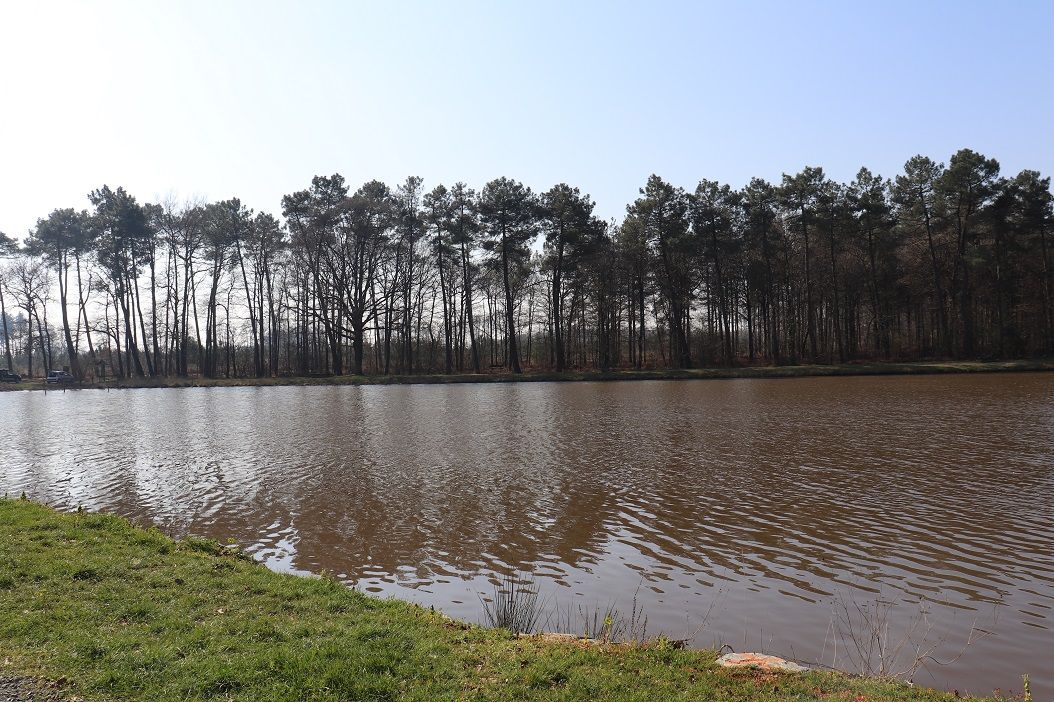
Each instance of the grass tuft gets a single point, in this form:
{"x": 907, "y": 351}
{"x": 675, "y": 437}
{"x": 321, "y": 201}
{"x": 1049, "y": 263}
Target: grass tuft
{"x": 514, "y": 604}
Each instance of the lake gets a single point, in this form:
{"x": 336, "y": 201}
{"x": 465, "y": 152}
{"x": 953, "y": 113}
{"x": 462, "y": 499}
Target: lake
{"x": 768, "y": 515}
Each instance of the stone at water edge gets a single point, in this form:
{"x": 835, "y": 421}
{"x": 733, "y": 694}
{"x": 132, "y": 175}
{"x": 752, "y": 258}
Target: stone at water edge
{"x": 759, "y": 660}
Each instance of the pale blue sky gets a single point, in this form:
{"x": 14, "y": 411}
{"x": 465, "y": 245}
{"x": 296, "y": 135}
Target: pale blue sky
{"x": 251, "y": 99}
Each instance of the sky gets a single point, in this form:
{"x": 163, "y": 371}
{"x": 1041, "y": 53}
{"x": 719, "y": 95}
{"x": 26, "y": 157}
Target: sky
{"x": 250, "y": 99}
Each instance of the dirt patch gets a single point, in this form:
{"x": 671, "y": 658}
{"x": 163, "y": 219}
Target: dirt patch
{"x": 29, "y": 690}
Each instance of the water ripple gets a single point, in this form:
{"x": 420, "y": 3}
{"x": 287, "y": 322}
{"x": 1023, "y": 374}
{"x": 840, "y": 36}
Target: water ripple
{"x": 768, "y": 498}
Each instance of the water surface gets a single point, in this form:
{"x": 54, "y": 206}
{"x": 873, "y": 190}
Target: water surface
{"x": 749, "y": 508}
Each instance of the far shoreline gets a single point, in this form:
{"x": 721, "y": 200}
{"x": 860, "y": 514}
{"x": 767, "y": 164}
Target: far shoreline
{"x": 711, "y": 373}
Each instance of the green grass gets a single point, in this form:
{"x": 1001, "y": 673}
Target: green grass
{"x": 502, "y": 376}
{"x": 123, "y": 613}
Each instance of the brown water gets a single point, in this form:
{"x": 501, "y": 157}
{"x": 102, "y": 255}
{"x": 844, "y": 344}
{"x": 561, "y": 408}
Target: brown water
{"x": 762, "y": 502}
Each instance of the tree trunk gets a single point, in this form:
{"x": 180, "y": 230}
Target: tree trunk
{"x": 71, "y": 352}
{"x": 514, "y": 357}
{"x": 7, "y": 331}
{"x": 467, "y": 273}
{"x": 558, "y": 299}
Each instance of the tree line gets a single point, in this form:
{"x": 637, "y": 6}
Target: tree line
{"x": 941, "y": 261}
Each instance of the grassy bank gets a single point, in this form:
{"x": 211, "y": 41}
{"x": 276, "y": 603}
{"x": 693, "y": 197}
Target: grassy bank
{"x": 799, "y": 371}
{"x": 117, "y": 612}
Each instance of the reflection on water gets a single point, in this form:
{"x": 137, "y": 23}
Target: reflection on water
{"x": 764, "y": 499}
